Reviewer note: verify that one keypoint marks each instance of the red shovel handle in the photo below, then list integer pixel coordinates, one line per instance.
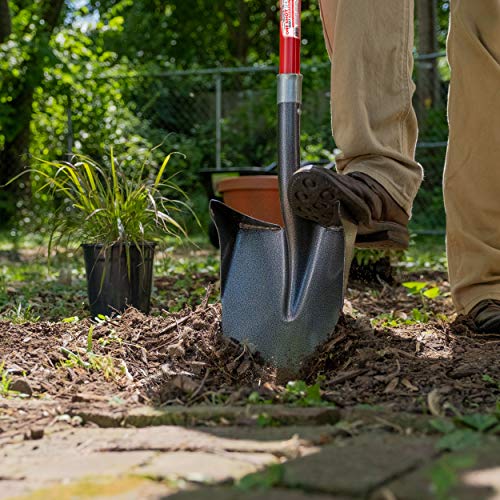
(290, 36)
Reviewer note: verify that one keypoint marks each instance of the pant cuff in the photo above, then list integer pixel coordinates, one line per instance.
(402, 195)
(473, 302)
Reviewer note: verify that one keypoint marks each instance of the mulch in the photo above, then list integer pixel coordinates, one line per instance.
(183, 359)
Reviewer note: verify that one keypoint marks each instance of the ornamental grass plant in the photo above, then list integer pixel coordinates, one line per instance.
(118, 203)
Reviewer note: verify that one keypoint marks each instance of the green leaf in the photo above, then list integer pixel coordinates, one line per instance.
(116, 22)
(496, 430)
(415, 286)
(265, 420)
(444, 474)
(71, 319)
(479, 422)
(254, 398)
(442, 425)
(432, 293)
(299, 393)
(90, 341)
(490, 380)
(460, 440)
(271, 476)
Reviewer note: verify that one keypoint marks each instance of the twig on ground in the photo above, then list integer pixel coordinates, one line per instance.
(200, 387)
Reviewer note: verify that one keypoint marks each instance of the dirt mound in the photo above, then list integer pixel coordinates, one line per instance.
(400, 367)
(180, 358)
(183, 358)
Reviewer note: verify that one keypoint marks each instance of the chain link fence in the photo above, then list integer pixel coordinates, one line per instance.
(227, 118)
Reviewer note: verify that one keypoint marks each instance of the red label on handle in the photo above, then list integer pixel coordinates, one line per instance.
(290, 36)
(290, 18)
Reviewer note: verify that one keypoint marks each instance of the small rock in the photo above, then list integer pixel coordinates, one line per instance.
(64, 418)
(35, 433)
(176, 350)
(84, 397)
(199, 324)
(463, 371)
(21, 385)
(187, 331)
(76, 421)
(15, 370)
(239, 395)
(184, 383)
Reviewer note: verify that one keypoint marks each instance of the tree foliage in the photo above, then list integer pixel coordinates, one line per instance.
(25, 31)
(61, 58)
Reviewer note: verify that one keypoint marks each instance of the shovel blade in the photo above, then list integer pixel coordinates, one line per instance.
(278, 301)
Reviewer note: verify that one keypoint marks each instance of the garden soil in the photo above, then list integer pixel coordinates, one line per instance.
(437, 366)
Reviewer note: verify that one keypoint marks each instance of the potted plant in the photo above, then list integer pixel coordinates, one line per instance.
(117, 213)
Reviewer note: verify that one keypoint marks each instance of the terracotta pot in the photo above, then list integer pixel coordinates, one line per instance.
(254, 195)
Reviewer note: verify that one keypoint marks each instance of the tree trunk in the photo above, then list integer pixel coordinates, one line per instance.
(13, 156)
(5, 21)
(16, 146)
(428, 81)
(52, 13)
(239, 36)
(242, 41)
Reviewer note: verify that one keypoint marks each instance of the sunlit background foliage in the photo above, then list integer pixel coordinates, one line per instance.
(96, 60)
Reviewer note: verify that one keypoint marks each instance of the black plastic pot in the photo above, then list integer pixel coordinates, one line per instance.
(112, 284)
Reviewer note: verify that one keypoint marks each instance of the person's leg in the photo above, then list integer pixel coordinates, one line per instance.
(370, 45)
(472, 174)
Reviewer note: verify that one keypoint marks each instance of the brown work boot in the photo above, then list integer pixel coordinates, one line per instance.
(486, 317)
(315, 193)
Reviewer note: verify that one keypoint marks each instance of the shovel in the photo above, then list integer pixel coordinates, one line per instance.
(282, 289)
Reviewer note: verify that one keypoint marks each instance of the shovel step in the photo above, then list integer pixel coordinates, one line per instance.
(388, 239)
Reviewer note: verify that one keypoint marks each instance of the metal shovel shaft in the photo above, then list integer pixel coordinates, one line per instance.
(298, 231)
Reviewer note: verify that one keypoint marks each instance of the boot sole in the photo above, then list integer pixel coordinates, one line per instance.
(313, 195)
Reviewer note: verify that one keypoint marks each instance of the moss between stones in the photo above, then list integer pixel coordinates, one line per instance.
(89, 488)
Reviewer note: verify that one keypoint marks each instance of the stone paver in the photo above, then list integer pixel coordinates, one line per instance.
(67, 466)
(308, 462)
(479, 480)
(361, 465)
(235, 494)
(179, 439)
(197, 415)
(203, 467)
(313, 434)
(198, 455)
(162, 439)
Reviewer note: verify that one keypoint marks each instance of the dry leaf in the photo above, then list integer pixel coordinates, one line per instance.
(184, 383)
(433, 402)
(244, 367)
(348, 309)
(409, 385)
(385, 494)
(391, 386)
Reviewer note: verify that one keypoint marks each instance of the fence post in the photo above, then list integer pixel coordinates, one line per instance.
(218, 120)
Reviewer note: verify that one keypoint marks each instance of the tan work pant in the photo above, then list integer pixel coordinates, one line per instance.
(370, 43)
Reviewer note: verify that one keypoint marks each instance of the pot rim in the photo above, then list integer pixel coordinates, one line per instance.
(248, 182)
(149, 244)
